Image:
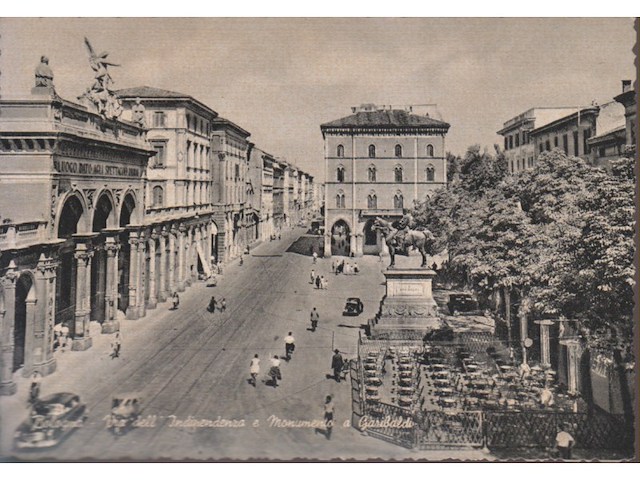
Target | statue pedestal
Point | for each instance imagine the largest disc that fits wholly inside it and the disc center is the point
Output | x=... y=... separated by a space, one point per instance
x=408 y=305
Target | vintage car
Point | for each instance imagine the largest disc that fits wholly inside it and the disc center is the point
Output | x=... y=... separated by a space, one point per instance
x=353 y=306
x=125 y=410
x=52 y=419
x=462 y=303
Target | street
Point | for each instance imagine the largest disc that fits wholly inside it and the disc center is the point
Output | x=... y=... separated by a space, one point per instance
x=191 y=368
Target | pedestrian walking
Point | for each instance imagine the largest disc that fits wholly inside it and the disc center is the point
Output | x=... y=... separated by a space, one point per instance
x=34 y=388
x=317 y=281
x=564 y=442
x=274 y=371
x=175 y=301
x=329 y=409
x=64 y=339
x=254 y=369
x=356 y=269
x=116 y=345
x=315 y=316
x=321 y=282
x=325 y=283
x=313 y=276
x=223 y=304
x=315 y=257
x=289 y=346
x=333 y=266
x=337 y=362
x=212 y=305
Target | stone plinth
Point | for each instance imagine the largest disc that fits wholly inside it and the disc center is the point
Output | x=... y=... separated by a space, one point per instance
x=408 y=304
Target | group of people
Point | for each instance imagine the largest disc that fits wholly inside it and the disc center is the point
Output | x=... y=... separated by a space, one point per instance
x=61 y=336
x=340 y=266
x=214 y=304
x=318 y=281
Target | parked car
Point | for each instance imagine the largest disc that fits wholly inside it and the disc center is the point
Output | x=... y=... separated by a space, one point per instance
x=52 y=419
x=125 y=411
x=462 y=303
x=353 y=306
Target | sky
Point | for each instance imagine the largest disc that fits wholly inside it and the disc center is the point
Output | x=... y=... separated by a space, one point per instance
x=280 y=78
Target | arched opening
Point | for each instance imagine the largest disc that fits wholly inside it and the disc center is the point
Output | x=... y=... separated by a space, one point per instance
x=398 y=173
x=340 y=151
x=340 y=239
x=398 y=150
x=372 y=173
x=398 y=201
x=429 y=150
x=370 y=235
x=340 y=174
x=431 y=173
x=372 y=151
x=372 y=200
x=70 y=217
x=214 y=242
x=25 y=302
x=124 y=258
x=101 y=217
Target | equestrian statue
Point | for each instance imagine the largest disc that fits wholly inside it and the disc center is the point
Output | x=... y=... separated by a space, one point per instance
x=399 y=236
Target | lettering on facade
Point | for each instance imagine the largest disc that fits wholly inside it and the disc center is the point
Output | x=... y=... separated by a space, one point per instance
x=87 y=168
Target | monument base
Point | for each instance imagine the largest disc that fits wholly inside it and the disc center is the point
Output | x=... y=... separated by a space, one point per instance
x=408 y=308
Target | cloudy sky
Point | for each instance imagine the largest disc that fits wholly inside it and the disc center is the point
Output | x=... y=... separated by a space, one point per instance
x=281 y=78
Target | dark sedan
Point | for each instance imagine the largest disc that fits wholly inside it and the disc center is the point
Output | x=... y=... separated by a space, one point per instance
x=462 y=303
x=353 y=306
x=52 y=418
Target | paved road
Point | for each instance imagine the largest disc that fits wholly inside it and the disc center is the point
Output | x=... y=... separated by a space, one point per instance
x=192 y=366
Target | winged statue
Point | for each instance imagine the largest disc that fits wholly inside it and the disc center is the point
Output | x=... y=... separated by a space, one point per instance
x=100 y=93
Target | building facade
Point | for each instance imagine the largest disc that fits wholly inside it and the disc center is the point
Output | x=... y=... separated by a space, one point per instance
x=628 y=99
x=378 y=162
x=231 y=150
x=72 y=195
x=178 y=232
x=519 y=150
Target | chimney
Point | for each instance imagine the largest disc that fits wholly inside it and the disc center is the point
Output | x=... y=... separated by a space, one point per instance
x=626 y=85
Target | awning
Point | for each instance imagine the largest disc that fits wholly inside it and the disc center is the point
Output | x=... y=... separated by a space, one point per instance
x=203 y=260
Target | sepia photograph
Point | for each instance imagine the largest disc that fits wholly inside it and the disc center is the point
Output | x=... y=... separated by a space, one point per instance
x=319 y=239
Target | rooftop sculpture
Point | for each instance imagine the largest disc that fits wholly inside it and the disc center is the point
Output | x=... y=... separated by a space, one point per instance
x=100 y=93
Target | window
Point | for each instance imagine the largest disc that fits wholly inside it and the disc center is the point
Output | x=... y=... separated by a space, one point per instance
x=555 y=141
x=506 y=143
x=431 y=173
x=541 y=148
x=158 y=196
x=512 y=167
x=517 y=139
x=372 y=200
x=372 y=173
x=159 y=119
x=602 y=152
x=430 y=149
x=340 y=151
x=398 y=200
x=510 y=141
x=372 y=151
x=565 y=144
x=340 y=200
x=585 y=146
x=525 y=138
x=340 y=173
x=159 y=159
x=398 y=173
x=548 y=145
x=398 y=151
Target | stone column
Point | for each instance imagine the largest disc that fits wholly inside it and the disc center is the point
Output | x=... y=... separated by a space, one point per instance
x=545 y=347
x=162 y=289
x=7 y=319
x=327 y=245
x=142 y=276
x=153 y=301
x=132 y=309
x=179 y=233
x=207 y=243
x=81 y=335
x=172 y=261
x=573 y=361
x=43 y=360
x=111 y=323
